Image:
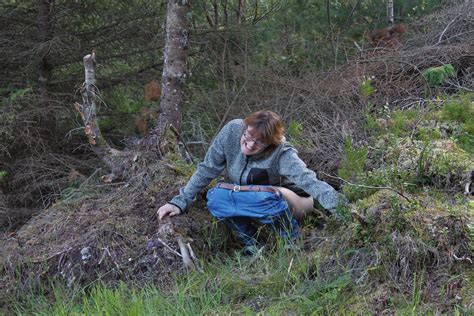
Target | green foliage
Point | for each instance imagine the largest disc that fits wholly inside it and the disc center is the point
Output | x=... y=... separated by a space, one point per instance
x=426 y=134
x=352 y=169
x=403 y=122
x=124 y=99
x=414 y=148
x=300 y=33
x=412 y=306
x=353 y=162
x=106 y=123
x=15 y=94
x=294 y=129
x=461 y=110
x=436 y=76
x=3 y=175
x=366 y=88
x=120 y=109
x=370 y=123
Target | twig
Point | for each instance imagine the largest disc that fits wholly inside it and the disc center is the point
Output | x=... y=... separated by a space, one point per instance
x=289 y=269
x=187 y=261
x=256 y=256
x=193 y=256
x=368 y=186
x=112 y=258
x=446 y=28
x=168 y=247
x=462 y=258
x=188 y=157
x=52 y=256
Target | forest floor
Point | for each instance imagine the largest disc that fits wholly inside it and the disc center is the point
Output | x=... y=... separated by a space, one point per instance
x=403 y=245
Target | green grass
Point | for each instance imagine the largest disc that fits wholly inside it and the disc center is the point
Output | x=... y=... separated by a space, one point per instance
x=278 y=282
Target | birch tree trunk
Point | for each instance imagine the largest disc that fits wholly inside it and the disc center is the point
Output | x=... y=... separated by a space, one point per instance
x=174 y=74
x=390 y=16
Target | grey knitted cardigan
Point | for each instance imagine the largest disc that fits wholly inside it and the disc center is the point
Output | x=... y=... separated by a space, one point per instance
x=281 y=165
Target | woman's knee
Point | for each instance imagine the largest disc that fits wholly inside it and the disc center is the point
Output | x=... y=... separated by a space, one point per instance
x=300 y=206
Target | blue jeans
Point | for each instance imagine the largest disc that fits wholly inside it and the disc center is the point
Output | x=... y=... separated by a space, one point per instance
x=240 y=211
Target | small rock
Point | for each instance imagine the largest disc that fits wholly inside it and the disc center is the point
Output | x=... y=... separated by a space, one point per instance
x=86 y=253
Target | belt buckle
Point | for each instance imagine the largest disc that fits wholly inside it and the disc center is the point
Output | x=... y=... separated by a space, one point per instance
x=236 y=188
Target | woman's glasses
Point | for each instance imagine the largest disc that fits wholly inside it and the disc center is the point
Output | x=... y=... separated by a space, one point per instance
x=257 y=143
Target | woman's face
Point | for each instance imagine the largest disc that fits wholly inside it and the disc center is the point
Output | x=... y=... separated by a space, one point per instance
x=249 y=144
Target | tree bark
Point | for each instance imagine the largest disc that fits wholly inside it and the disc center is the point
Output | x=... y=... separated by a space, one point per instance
x=88 y=112
x=216 y=14
x=328 y=13
x=390 y=16
x=240 y=11
x=174 y=74
x=45 y=14
x=226 y=14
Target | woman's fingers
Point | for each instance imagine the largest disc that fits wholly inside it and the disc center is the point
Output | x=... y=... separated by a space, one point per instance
x=168 y=209
x=175 y=213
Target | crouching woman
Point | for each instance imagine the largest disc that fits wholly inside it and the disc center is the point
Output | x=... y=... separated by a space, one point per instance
x=268 y=183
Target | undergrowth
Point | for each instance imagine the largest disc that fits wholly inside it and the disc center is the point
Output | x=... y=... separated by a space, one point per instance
x=278 y=283
x=412 y=149
x=404 y=247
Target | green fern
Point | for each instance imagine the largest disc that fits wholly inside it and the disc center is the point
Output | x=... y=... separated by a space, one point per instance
x=436 y=76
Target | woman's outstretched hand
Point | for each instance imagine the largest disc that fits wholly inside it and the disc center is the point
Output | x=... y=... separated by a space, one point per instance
x=168 y=210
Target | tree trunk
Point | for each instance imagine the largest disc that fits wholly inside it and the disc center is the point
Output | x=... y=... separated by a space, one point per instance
x=328 y=13
x=45 y=13
x=390 y=15
x=240 y=11
x=226 y=14
x=216 y=14
x=174 y=74
x=88 y=112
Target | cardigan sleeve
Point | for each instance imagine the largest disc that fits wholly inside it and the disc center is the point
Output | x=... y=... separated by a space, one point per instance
x=295 y=170
x=213 y=164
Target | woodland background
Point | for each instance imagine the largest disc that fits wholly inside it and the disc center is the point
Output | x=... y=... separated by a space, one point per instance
x=382 y=112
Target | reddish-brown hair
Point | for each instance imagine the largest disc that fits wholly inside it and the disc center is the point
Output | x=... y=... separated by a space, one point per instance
x=268 y=126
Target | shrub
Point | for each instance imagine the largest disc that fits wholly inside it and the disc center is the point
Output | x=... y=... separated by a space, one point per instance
x=3 y=175
x=353 y=163
x=461 y=111
x=366 y=88
x=435 y=76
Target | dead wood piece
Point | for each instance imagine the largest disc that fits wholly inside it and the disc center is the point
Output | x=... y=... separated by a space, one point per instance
x=468 y=188
x=193 y=256
x=115 y=160
x=106 y=250
x=187 y=261
x=169 y=248
x=168 y=230
x=360 y=218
